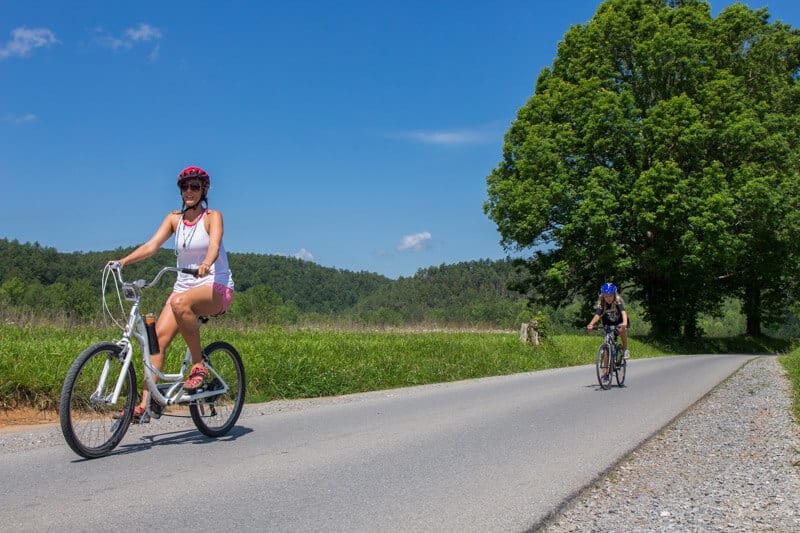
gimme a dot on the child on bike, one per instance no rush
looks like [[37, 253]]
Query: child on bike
[[198, 245], [611, 310]]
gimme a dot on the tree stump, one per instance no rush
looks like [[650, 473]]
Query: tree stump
[[529, 333]]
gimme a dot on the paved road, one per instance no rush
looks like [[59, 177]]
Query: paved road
[[496, 454]]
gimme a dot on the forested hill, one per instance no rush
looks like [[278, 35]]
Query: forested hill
[[274, 288], [307, 285]]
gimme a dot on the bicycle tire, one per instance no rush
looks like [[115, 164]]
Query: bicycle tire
[[89, 425], [602, 362], [214, 416], [621, 368]]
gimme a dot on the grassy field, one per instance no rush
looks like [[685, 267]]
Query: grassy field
[[301, 364]]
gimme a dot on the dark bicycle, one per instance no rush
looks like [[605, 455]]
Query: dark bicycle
[[610, 360]]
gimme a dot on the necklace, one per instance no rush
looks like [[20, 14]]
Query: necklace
[[187, 235], [188, 239]]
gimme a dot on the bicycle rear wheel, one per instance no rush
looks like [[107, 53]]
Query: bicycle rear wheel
[[91, 426], [602, 363], [214, 416]]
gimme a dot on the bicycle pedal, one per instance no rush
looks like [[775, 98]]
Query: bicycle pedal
[[155, 409], [144, 419]]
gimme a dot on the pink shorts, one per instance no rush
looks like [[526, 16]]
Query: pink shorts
[[226, 293]]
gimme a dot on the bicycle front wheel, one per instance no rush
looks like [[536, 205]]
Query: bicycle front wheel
[[214, 416], [619, 370], [603, 363], [91, 424]]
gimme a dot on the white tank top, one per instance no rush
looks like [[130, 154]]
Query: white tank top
[[191, 246]]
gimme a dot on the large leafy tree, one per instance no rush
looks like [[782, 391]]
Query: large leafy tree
[[659, 151]]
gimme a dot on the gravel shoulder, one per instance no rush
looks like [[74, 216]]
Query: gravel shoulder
[[731, 463]]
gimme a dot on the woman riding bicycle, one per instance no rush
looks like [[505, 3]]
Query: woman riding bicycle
[[198, 244], [611, 310]]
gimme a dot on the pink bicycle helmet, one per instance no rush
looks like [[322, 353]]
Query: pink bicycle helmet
[[194, 173]]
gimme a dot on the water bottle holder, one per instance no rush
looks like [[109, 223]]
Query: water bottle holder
[[152, 338]]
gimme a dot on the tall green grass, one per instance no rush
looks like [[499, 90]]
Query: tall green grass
[[308, 363], [791, 363]]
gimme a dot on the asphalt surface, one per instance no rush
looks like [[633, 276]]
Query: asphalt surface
[[494, 454]]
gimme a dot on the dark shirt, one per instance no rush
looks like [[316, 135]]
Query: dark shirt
[[610, 313]]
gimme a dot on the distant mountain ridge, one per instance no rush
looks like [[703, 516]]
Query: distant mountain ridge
[[472, 291]]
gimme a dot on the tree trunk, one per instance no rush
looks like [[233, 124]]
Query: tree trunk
[[752, 309]]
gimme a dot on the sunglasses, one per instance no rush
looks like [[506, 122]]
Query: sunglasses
[[192, 186]]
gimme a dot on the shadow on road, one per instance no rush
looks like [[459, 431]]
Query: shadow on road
[[188, 436]]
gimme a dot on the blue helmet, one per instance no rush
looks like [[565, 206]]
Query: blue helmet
[[608, 288]]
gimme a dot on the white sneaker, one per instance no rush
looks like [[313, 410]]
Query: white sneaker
[[626, 354]]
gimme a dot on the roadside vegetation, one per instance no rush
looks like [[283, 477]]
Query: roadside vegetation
[[289, 364], [792, 364]]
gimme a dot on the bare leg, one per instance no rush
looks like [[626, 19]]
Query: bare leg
[[623, 332], [186, 307]]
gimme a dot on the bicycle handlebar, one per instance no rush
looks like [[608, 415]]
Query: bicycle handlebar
[[141, 284], [602, 328]]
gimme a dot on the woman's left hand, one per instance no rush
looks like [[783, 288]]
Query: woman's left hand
[[203, 270]]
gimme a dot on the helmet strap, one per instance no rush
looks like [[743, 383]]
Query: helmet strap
[[199, 204]]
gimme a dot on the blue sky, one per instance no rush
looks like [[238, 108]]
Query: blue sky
[[356, 134]]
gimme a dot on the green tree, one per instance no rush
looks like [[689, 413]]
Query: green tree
[[81, 299], [660, 152], [12, 291], [258, 303]]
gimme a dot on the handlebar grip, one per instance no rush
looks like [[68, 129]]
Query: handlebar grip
[[190, 271]]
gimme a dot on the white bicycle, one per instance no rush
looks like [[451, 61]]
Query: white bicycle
[[100, 390]]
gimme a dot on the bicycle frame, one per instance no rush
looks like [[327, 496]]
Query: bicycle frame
[[611, 338], [135, 329]]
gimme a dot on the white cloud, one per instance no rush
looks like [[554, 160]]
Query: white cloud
[[303, 254], [19, 119], [112, 42], [154, 53], [447, 137], [25, 40], [143, 33], [415, 242], [453, 137], [27, 117]]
